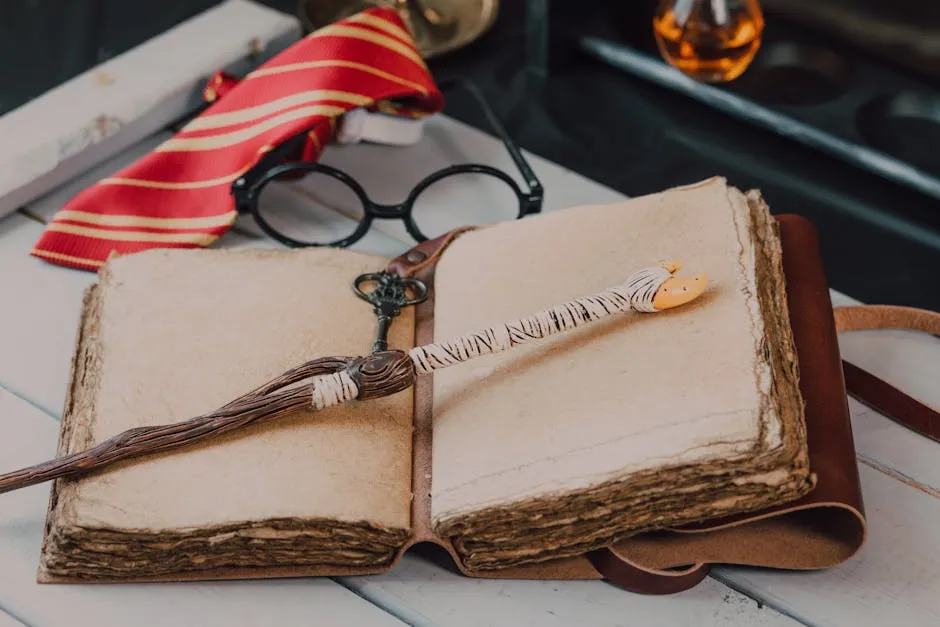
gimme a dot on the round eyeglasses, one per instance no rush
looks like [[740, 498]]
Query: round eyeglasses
[[313, 204]]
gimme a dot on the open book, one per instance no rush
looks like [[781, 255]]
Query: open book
[[632, 433]]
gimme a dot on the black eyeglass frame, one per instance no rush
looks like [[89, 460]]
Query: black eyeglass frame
[[247, 189]]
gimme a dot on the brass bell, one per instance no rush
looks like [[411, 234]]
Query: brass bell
[[437, 26]]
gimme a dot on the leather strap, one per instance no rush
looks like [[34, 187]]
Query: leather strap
[[424, 254], [868, 317], [876, 393], [883, 397], [622, 572]]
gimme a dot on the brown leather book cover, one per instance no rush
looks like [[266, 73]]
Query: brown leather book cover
[[822, 528]]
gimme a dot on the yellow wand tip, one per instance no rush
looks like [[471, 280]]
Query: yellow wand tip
[[677, 291]]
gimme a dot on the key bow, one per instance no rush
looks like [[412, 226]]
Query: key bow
[[390, 294]]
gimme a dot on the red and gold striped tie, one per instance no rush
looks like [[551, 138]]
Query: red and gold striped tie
[[179, 195]]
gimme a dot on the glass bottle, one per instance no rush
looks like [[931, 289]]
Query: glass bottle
[[710, 40]]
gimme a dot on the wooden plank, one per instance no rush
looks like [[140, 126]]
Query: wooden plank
[[909, 360], [114, 105], [46, 206], [389, 173], [424, 594], [907, 456], [903, 358], [27, 436], [39, 316], [893, 581], [8, 621]]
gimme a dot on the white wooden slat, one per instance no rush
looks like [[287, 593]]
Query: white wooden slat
[[39, 314], [910, 361], [8, 621], [389, 173], [425, 594], [46, 206], [839, 299], [903, 358], [112, 106], [895, 580], [908, 456], [27, 436]]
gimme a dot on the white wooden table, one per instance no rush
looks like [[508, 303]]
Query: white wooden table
[[894, 582]]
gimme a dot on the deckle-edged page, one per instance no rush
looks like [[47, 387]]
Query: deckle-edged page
[[678, 405], [171, 334]]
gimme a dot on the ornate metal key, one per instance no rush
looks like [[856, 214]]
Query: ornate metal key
[[389, 294]]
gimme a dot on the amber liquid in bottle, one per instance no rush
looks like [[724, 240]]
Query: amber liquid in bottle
[[708, 47]]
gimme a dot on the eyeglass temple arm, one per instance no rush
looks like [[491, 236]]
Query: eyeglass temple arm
[[535, 186]]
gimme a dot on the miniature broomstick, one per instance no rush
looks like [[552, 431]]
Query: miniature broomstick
[[334, 380]]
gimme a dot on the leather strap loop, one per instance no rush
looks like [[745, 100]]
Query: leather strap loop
[[876, 393], [869, 317], [624, 573]]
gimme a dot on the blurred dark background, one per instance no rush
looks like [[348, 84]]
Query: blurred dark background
[[881, 239]]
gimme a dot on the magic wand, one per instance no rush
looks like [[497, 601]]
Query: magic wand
[[329, 381]]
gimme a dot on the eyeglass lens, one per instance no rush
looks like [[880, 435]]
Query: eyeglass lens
[[434, 211], [310, 207]]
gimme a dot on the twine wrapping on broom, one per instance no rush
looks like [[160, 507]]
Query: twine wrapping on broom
[[635, 293]]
